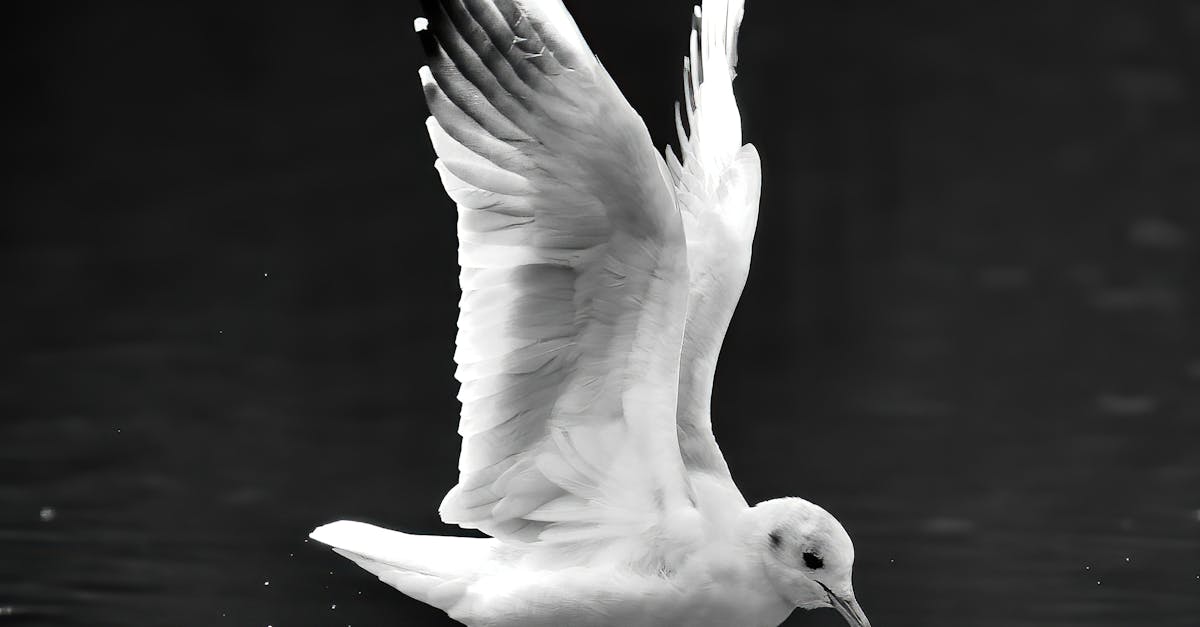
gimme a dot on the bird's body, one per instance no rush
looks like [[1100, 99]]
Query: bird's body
[[719, 580], [715, 587], [598, 282]]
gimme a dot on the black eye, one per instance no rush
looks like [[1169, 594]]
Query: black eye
[[775, 539], [812, 560]]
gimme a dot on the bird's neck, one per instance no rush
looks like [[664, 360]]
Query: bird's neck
[[730, 572]]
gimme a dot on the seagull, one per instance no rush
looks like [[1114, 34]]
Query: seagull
[[598, 280]]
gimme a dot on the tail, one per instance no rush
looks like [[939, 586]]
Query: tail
[[433, 569]]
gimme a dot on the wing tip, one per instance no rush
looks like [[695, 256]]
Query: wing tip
[[332, 533], [428, 42]]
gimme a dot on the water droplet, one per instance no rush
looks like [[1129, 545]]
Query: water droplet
[[47, 514], [1127, 560], [266, 583], [333, 606], [264, 275]]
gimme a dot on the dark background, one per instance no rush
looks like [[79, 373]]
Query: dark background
[[229, 289]]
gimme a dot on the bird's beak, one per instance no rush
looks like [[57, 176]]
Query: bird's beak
[[848, 607]]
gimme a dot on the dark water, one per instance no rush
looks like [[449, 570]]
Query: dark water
[[970, 331]]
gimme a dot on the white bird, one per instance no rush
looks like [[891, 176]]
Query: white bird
[[598, 281]]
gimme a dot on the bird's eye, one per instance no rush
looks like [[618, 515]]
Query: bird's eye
[[812, 560], [775, 539]]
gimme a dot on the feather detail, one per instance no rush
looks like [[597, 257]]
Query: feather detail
[[716, 183], [574, 279]]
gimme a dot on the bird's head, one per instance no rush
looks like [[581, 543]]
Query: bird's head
[[808, 556]]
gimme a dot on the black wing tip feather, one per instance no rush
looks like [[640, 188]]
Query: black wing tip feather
[[463, 33], [516, 26]]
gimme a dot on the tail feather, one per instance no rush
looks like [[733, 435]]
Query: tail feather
[[433, 569]]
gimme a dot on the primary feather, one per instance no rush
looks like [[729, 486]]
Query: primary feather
[[574, 278]]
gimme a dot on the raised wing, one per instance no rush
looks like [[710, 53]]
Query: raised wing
[[574, 279], [717, 187]]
